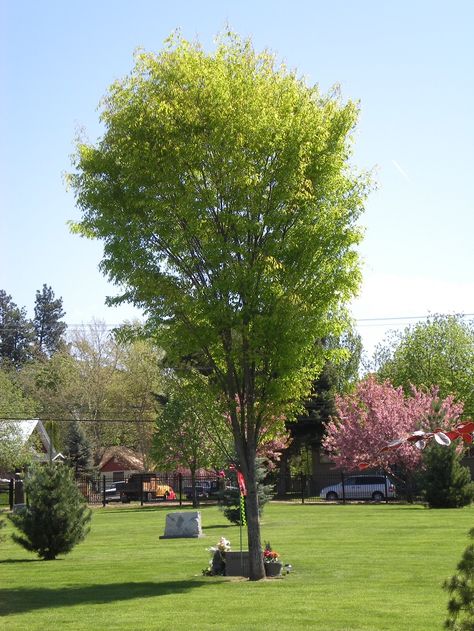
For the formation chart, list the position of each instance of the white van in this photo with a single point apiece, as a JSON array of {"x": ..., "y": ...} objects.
[{"x": 361, "y": 487}]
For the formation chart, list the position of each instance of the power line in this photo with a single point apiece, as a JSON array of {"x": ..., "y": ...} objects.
[
  {"x": 58, "y": 419},
  {"x": 424, "y": 317},
  {"x": 75, "y": 327},
  {"x": 380, "y": 319}
]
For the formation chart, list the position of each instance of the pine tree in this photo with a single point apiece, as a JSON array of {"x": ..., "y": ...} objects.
[
  {"x": 461, "y": 589},
  {"x": 446, "y": 483},
  {"x": 56, "y": 517},
  {"x": 77, "y": 449},
  {"x": 308, "y": 429},
  {"x": 16, "y": 333},
  {"x": 48, "y": 328}
]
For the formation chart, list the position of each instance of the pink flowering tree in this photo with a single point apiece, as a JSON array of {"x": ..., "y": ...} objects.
[
  {"x": 270, "y": 449},
  {"x": 377, "y": 413}
]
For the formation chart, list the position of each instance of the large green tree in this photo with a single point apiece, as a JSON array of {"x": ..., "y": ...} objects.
[
  {"x": 337, "y": 376},
  {"x": 191, "y": 430},
  {"x": 49, "y": 329},
  {"x": 16, "y": 332},
  {"x": 438, "y": 352},
  {"x": 77, "y": 449},
  {"x": 54, "y": 383},
  {"x": 134, "y": 390},
  {"x": 13, "y": 405},
  {"x": 13, "y": 451},
  {"x": 98, "y": 376},
  {"x": 223, "y": 193}
]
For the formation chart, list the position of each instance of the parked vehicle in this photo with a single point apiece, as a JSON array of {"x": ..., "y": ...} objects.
[
  {"x": 209, "y": 489},
  {"x": 204, "y": 489},
  {"x": 112, "y": 493},
  {"x": 145, "y": 486},
  {"x": 361, "y": 487}
]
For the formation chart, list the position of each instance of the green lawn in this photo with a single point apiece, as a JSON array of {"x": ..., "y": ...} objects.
[{"x": 356, "y": 568}]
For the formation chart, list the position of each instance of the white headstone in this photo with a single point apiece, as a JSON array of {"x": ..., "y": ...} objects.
[{"x": 183, "y": 524}]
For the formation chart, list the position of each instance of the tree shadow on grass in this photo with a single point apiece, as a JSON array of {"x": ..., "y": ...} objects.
[
  {"x": 137, "y": 509},
  {"x": 22, "y": 560},
  {"x": 158, "y": 508},
  {"x": 25, "y": 599},
  {"x": 214, "y": 526}
]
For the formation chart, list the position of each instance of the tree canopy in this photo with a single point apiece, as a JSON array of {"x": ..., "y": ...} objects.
[
  {"x": 47, "y": 323},
  {"x": 377, "y": 413},
  {"x": 21, "y": 337},
  {"x": 439, "y": 352},
  {"x": 14, "y": 404},
  {"x": 191, "y": 431},
  {"x": 16, "y": 332},
  {"x": 77, "y": 449},
  {"x": 223, "y": 193}
]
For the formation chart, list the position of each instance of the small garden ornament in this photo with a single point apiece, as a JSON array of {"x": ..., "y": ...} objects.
[{"x": 465, "y": 431}]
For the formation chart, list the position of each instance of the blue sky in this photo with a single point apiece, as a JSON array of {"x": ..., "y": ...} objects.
[{"x": 409, "y": 64}]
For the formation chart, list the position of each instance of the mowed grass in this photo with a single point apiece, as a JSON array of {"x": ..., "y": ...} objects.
[{"x": 355, "y": 568}]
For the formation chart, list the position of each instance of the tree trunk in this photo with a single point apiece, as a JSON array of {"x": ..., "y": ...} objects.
[
  {"x": 193, "y": 487},
  {"x": 256, "y": 567},
  {"x": 245, "y": 443}
]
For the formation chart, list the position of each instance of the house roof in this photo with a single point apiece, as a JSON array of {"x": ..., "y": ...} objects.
[
  {"x": 124, "y": 456},
  {"x": 25, "y": 430}
]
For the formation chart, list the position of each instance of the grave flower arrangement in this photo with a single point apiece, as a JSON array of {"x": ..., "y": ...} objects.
[
  {"x": 216, "y": 565},
  {"x": 270, "y": 555},
  {"x": 271, "y": 561}
]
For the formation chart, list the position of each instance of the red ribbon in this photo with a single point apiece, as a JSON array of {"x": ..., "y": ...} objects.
[{"x": 241, "y": 483}]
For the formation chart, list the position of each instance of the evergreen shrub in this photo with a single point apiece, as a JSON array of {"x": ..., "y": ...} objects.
[
  {"x": 461, "y": 590},
  {"x": 56, "y": 517},
  {"x": 446, "y": 482},
  {"x": 77, "y": 449}
]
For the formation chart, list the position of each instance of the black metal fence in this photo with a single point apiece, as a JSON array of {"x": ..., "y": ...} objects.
[
  {"x": 6, "y": 493},
  {"x": 152, "y": 487}
]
